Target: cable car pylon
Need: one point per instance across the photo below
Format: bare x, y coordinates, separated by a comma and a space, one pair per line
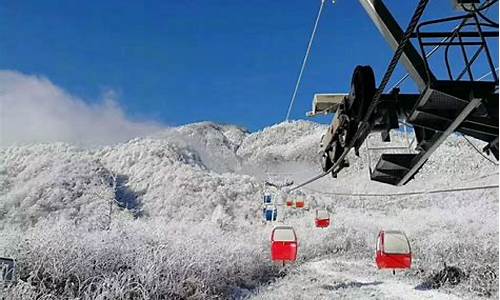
442, 106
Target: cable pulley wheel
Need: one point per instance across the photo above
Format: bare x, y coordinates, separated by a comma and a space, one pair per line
362, 91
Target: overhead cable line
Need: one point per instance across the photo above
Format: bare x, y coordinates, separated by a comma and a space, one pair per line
439, 191
429, 54
479, 151
304, 61
487, 74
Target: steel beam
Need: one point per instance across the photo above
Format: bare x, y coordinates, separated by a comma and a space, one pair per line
393, 34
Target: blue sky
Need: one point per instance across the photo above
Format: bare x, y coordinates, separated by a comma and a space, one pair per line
178, 62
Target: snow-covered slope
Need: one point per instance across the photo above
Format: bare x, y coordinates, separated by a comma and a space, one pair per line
178, 187
51, 182
283, 143
178, 215
216, 144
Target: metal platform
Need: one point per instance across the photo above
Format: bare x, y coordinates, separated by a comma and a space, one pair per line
323, 104
398, 169
442, 102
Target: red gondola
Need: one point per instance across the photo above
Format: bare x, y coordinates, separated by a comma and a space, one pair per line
289, 203
284, 244
322, 219
299, 204
393, 250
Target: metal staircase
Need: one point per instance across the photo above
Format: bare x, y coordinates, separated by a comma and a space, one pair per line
398, 169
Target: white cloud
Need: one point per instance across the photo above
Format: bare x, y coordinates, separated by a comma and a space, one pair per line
33, 109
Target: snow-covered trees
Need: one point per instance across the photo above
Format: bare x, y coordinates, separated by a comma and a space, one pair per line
186, 219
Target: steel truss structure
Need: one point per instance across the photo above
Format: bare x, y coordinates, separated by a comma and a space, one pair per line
460, 102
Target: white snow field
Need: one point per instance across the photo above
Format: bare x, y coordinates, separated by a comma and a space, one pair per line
177, 215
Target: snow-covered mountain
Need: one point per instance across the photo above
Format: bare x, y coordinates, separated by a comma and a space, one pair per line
178, 215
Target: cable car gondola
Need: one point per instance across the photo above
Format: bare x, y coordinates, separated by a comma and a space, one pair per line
284, 244
393, 250
270, 213
289, 203
267, 198
299, 204
322, 219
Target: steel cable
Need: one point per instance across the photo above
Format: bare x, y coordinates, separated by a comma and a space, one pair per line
304, 61
478, 151
439, 191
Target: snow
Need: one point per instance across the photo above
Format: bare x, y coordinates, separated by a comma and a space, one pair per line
178, 214
330, 278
